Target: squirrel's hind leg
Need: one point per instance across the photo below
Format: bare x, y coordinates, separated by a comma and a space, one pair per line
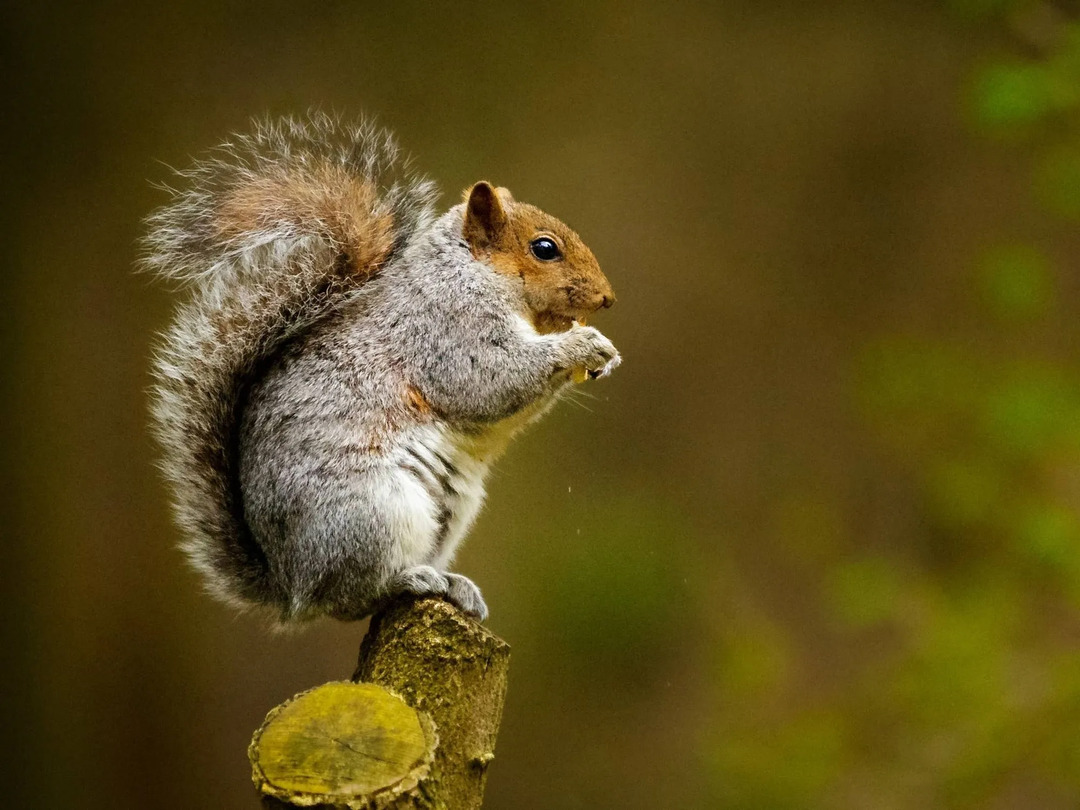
424, 580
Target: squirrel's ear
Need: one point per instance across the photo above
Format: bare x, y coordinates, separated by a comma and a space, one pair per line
485, 216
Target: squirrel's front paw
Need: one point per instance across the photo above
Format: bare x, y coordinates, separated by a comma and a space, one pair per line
588, 354
458, 590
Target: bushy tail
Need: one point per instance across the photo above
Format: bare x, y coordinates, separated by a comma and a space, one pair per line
273, 230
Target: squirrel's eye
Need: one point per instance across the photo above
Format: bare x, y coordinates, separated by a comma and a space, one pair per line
545, 249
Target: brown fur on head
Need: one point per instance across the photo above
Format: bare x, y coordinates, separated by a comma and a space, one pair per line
561, 285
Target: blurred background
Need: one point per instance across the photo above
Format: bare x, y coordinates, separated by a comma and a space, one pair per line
816, 544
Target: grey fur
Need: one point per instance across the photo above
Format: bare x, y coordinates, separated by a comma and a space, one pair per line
304, 480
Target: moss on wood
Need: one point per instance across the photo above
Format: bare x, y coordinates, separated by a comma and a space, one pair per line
415, 729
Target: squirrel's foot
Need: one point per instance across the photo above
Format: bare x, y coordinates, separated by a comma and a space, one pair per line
465, 594
458, 590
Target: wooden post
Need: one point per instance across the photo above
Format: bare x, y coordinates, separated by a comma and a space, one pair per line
415, 728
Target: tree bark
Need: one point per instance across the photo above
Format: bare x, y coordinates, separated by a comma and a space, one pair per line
446, 665
415, 729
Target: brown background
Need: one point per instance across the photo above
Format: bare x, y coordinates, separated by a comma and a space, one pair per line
723, 573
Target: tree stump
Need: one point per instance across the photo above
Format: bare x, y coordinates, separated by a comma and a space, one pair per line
415, 728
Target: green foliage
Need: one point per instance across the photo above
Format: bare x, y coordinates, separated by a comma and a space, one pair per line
1049, 533
1032, 409
779, 765
864, 592
979, 434
917, 380
954, 688
1057, 181
980, 696
612, 595
963, 493
1017, 97
929, 665
1016, 282
1012, 95
753, 658
980, 8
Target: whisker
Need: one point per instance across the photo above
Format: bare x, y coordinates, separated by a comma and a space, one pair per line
578, 403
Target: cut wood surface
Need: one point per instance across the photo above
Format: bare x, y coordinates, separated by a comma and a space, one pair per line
343, 745
415, 729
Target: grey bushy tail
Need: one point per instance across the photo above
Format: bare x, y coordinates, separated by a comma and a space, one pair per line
273, 230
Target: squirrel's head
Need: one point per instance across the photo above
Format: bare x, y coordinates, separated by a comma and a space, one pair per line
561, 278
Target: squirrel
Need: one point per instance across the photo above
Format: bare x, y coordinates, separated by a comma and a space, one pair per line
348, 364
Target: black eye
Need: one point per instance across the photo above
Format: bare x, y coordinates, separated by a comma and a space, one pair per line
545, 249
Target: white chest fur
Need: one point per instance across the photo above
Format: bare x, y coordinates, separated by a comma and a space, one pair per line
440, 481
439, 477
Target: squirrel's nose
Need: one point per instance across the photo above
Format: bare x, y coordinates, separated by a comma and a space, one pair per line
600, 300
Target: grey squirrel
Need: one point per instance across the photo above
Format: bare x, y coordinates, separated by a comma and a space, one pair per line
348, 365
